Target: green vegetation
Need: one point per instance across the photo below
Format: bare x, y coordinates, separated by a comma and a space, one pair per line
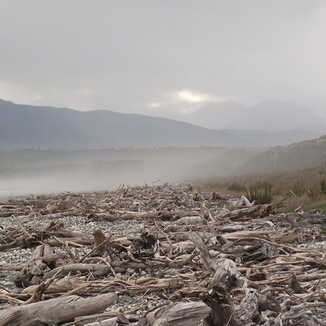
260, 193
323, 186
304, 189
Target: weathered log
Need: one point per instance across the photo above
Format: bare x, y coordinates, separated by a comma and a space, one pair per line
54, 311
222, 313
226, 274
251, 306
190, 313
190, 220
244, 234
62, 285
120, 319
97, 268
74, 241
204, 253
43, 256
259, 252
244, 212
11, 266
291, 236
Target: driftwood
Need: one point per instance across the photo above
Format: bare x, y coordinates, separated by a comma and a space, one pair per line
190, 313
55, 311
201, 258
118, 320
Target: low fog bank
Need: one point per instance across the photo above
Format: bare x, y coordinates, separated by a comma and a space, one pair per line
25, 172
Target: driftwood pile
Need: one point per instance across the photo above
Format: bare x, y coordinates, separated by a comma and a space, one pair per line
196, 259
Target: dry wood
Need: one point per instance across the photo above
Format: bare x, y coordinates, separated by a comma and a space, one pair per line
55, 311
174, 245
97, 268
11, 266
100, 240
191, 313
61, 286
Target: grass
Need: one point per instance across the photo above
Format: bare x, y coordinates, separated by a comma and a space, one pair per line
260, 193
304, 189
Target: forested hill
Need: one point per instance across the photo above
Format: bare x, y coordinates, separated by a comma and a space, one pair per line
297, 156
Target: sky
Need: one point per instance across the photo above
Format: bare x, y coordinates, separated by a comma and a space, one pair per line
162, 57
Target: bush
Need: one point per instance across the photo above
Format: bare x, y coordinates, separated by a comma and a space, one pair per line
260, 193
311, 194
323, 186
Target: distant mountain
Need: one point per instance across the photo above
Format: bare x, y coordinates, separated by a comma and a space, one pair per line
216, 115
272, 116
276, 116
25, 126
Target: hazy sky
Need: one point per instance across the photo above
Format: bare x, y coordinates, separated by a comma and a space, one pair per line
160, 56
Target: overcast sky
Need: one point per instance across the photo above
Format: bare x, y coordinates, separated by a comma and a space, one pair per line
161, 56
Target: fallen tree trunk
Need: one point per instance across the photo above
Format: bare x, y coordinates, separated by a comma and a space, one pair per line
54, 311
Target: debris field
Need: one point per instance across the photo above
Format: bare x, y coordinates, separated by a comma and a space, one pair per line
158, 255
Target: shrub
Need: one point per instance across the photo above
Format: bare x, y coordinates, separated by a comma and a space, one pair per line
311, 194
323, 186
261, 193
298, 190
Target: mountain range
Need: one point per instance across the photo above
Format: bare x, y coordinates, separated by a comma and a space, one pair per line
269, 115
26, 126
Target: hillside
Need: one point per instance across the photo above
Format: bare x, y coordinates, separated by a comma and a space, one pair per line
24, 126
297, 156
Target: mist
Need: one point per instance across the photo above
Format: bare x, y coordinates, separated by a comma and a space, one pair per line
25, 172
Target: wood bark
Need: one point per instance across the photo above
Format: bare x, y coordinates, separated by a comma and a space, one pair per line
190, 313
55, 311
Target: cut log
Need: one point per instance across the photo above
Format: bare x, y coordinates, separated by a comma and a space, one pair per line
54, 311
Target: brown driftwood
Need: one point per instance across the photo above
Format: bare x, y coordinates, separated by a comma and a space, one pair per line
11, 266
291, 236
222, 312
54, 311
99, 269
190, 313
249, 310
61, 286
165, 245
120, 319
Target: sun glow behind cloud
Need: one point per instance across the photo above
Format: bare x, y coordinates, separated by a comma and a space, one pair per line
192, 101
193, 97
184, 101
154, 105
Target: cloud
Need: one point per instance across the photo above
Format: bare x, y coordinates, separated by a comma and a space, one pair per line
178, 104
193, 97
162, 55
191, 101
154, 105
